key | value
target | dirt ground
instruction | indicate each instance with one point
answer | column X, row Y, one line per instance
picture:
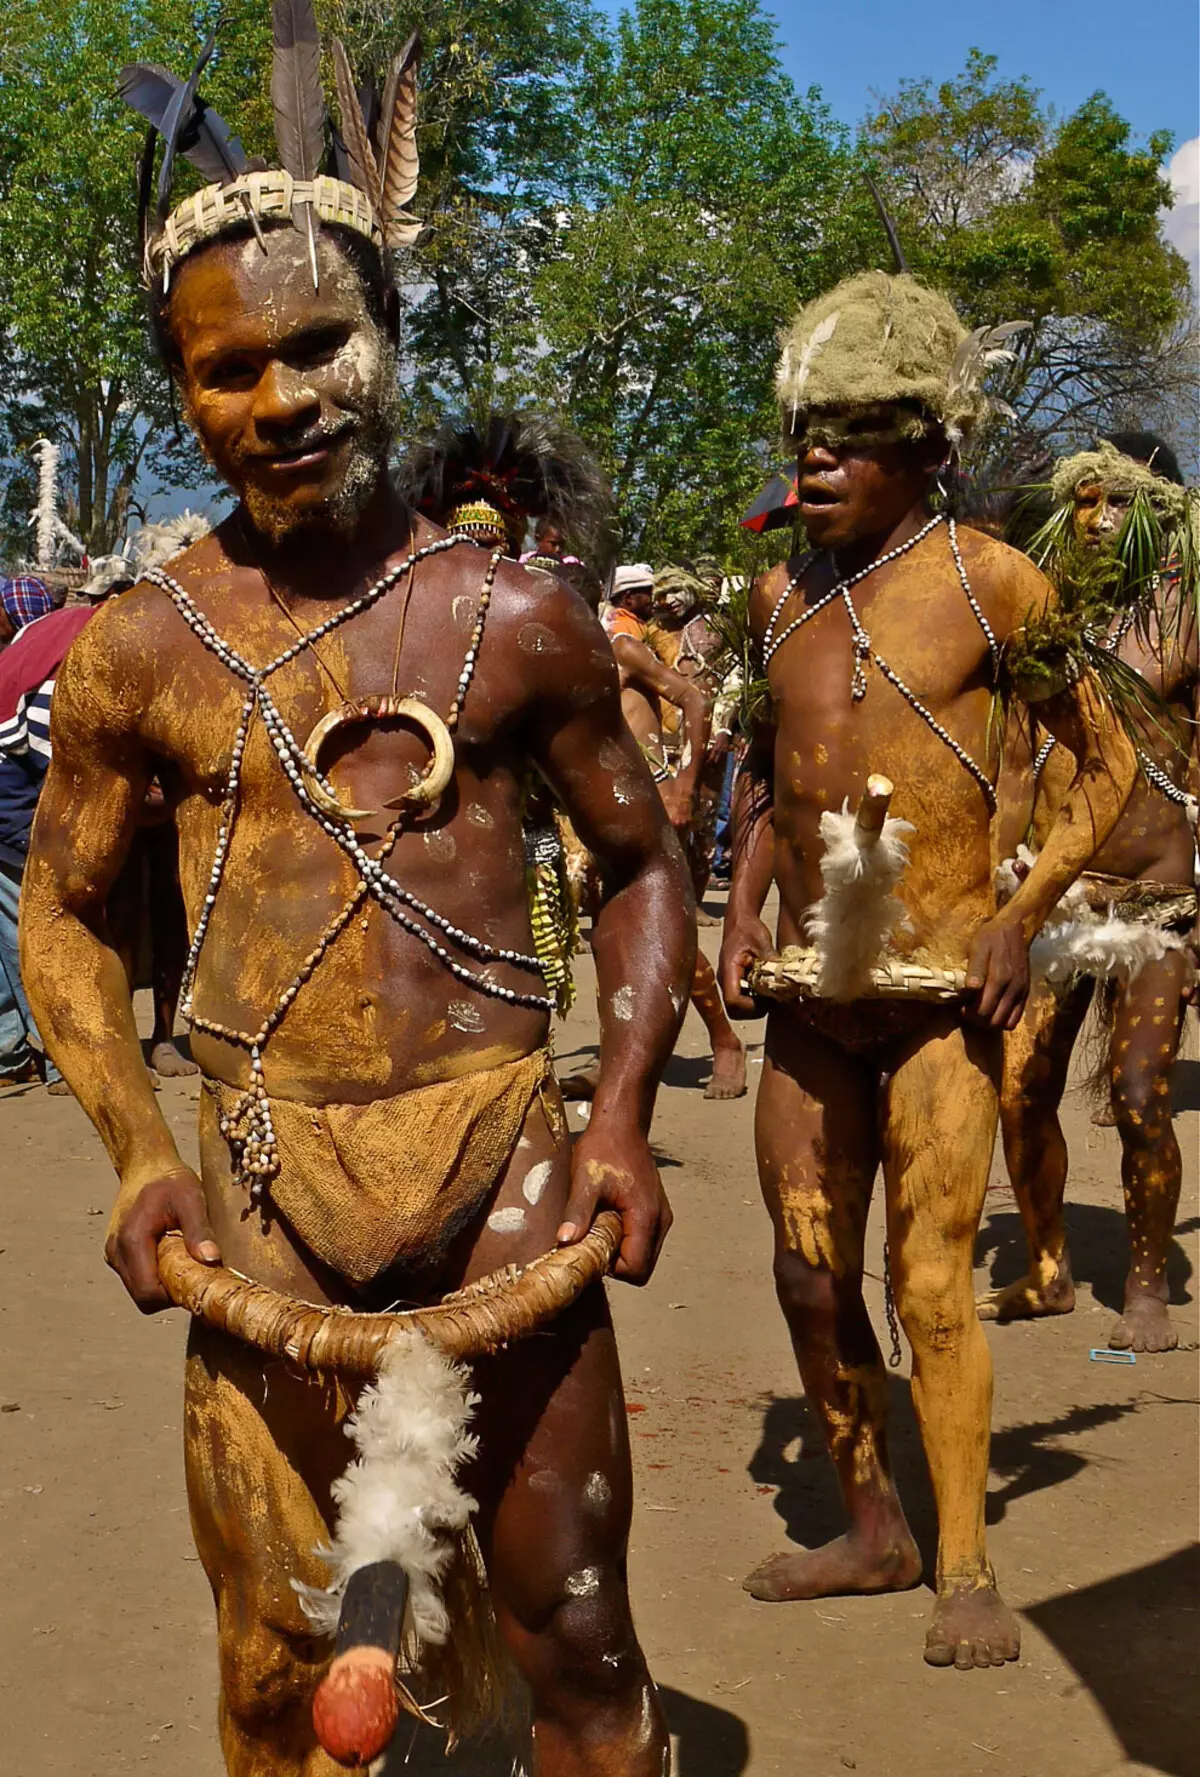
column 106, row 1642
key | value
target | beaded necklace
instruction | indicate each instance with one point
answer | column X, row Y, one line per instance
column 864, row 652
column 248, row 1127
column 1154, row 774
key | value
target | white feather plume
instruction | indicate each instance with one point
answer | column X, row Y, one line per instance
column 399, row 1500
column 975, row 356
column 45, row 514
column 856, row 915
column 1100, row 946
column 818, row 339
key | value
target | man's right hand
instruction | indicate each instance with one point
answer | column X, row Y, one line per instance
column 744, row 941
column 175, row 1201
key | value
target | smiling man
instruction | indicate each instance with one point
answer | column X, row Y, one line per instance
column 360, row 982
column 883, row 647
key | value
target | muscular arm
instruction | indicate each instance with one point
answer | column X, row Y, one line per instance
column 644, row 941
column 87, row 815
column 639, row 665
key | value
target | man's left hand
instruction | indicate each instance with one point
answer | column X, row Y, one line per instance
column 617, row 1171
column 998, row 976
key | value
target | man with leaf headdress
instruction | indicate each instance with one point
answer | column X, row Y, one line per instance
column 1121, row 546
column 883, row 651
column 341, row 701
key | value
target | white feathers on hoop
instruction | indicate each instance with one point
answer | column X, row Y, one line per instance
column 854, row 918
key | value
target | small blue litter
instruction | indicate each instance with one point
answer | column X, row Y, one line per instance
column 1100, row 1354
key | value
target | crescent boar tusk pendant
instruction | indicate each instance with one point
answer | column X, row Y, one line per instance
column 424, row 794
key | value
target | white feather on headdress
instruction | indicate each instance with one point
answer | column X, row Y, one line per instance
column 45, row 514
column 976, row 355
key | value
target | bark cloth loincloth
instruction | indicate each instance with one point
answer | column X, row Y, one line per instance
column 367, row 1186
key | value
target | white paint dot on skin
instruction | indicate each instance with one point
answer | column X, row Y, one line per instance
column 544, row 1480
column 583, row 1583
column 611, row 756
column 536, row 1180
column 478, row 815
column 463, row 610
column 622, row 1004
column 441, row 844
column 464, row 1016
column 676, row 999
column 535, row 638
column 597, row 1493
column 507, row 1221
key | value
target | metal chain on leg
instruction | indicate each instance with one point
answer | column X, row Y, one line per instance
column 889, row 1309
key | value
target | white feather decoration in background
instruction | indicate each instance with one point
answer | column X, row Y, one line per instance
column 45, row 516
column 1077, row 940
column 865, row 856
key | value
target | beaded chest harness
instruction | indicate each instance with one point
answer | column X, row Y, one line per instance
column 865, row 653
column 248, row 1127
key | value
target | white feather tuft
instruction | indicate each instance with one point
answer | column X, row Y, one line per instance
column 857, row 914
column 1099, row 946
column 45, row 515
column 400, row 1500
column 818, row 339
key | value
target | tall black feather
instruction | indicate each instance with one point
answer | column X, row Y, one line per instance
column 175, row 118
column 145, row 190
column 296, row 93
column 889, row 227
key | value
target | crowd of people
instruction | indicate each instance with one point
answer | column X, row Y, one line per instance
column 398, row 738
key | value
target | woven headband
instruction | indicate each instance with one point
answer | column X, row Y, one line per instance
column 255, row 197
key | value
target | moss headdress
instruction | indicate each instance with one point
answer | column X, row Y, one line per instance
column 361, row 178
column 881, row 339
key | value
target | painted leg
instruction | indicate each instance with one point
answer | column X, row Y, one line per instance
column 555, row 1490
column 815, row 1124
column 1145, row 1041
column 939, row 1131
column 729, row 1052
column 262, row 1445
column 1036, row 1058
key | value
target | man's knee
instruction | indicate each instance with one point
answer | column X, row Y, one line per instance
column 1141, row 1101
column 805, row 1291
column 268, row 1670
column 936, row 1311
column 582, row 1650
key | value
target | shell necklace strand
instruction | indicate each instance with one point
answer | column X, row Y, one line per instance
column 248, row 1127
column 865, row 653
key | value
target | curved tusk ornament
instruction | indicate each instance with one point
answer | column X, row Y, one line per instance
column 425, row 794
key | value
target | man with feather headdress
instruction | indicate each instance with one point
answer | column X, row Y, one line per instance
column 1121, row 545
column 882, row 649
column 340, row 701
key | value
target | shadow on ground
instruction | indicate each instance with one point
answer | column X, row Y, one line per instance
column 1133, row 1642
column 1099, row 1249
column 710, row 1742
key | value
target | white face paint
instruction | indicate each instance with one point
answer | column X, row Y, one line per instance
column 583, row 1583
column 507, row 1221
column 622, row 1004
column 536, row 1180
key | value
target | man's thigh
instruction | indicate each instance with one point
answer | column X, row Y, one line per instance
column 939, row 1133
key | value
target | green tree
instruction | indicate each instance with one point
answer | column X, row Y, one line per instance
column 73, row 348
column 1018, row 216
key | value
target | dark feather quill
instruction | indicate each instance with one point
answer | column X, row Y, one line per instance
column 175, row 118
column 363, row 171
column 145, row 190
column 296, row 94
column 889, row 227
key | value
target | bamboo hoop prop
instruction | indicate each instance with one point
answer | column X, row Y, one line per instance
column 793, row 973
column 401, row 1509
column 498, row 1309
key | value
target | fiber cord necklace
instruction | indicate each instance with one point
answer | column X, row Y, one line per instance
column 864, row 652
column 248, row 1125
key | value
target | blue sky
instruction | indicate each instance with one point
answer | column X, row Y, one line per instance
column 1145, row 55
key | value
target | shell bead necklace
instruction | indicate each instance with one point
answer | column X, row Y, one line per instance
column 247, row 1126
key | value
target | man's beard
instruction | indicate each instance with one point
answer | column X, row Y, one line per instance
column 339, row 514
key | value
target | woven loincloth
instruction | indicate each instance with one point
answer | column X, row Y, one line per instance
column 864, row 1026
column 368, row 1186
column 1169, row 905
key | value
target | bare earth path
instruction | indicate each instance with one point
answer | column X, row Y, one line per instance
column 106, row 1647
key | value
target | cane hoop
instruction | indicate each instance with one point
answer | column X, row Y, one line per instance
column 793, row 973
column 424, row 794
column 498, row 1309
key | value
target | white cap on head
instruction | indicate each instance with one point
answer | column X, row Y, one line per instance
column 633, row 577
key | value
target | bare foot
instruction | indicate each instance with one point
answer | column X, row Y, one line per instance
column 1144, row 1326
column 581, row 1085
column 729, row 1073
column 706, row 919
column 166, row 1060
column 848, row 1564
column 58, row 1089
column 972, row 1626
column 1029, row 1298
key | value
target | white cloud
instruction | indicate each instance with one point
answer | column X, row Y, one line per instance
column 1181, row 225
